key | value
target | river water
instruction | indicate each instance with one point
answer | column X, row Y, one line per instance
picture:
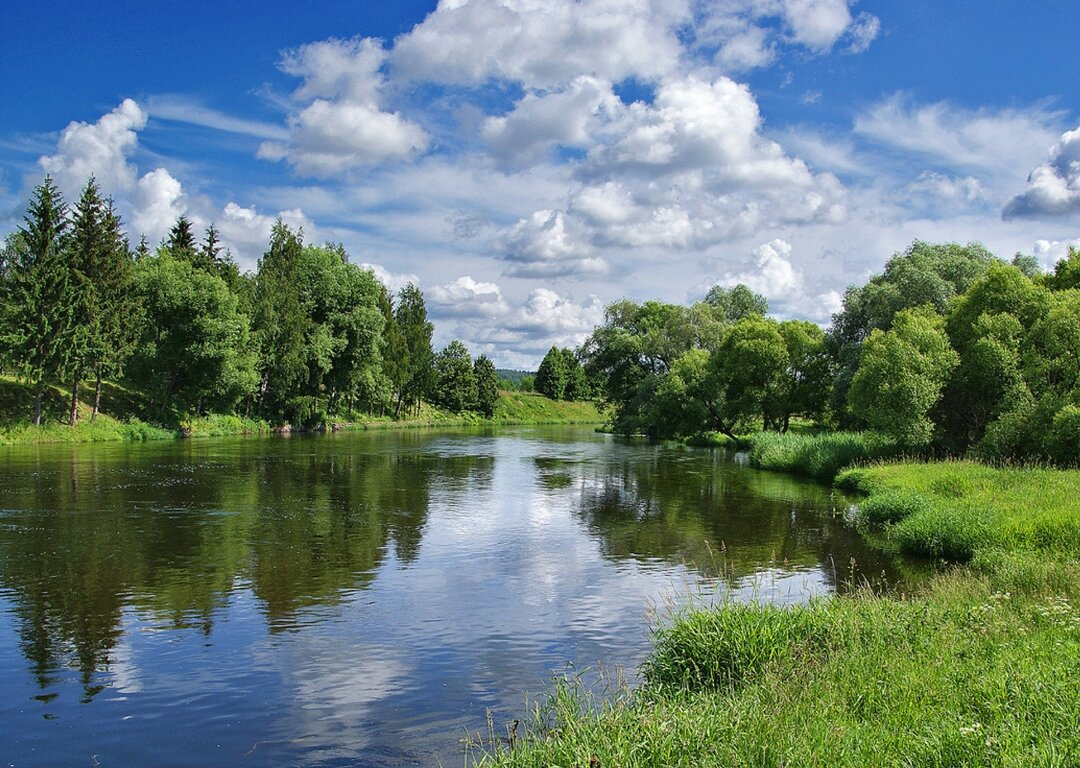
column 367, row 598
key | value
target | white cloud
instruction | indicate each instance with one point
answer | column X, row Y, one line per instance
column 158, row 201
column 393, row 281
column 547, row 310
column 98, row 149
column 540, row 122
column 1054, row 187
column 542, row 245
column 466, row 297
column 542, row 44
column 1050, row 252
column 182, row 109
column 999, row 143
column 246, row 232
column 967, row 189
column 862, row 32
column 343, row 125
column 817, row 24
column 746, row 50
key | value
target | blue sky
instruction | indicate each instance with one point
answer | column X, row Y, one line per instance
column 529, row 161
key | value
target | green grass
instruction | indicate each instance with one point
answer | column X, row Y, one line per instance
column 954, row 509
column 980, row 666
column 128, row 415
column 820, row 456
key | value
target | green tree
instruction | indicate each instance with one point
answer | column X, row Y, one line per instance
column 750, row 368
column 577, row 383
column 195, row 348
column 487, row 385
column 551, row 376
column 902, row 374
column 807, row 379
column 455, row 385
column 37, row 308
column 737, row 302
column 924, row 273
column 180, row 242
column 281, row 323
column 411, row 317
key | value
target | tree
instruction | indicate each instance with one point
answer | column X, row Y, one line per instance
column 416, row 332
column 280, row 321
column 750, row 367
column 924, row 273
column 577, row 383
column 180, row 242
column 487, row 385
column 902, row 374
column 551, row 376
column 737, row 302
column 807, row 379
column 37, row 302
column 455, row 385
column 195, row 348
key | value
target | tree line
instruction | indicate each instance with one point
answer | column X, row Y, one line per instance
column 306, row 335
column 948, row 350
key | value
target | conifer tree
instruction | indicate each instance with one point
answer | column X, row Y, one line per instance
column 411, row 316
column 487, row 385
column 37, row 310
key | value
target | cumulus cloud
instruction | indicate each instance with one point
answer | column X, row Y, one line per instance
column 158, row 201
column 466, row 297
column 817, row 24
column 343, row 125
column 540, row 122
column 393, row 281
column 1050, row 252
column 1053, row 189
column 98, row 149
column 772, row 272
column 542, row 44
column 247, row 232
column 543, row 245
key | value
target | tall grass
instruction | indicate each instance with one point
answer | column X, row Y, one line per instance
column 819, row 456
column 974, row 671
column 954, row 509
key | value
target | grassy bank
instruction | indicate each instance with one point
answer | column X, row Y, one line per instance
column 128, row 415
column 820, row 456
column 980, row 667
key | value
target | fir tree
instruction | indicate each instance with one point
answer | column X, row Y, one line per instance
column 37, row 309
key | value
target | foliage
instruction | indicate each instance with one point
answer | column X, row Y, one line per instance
column 551, row 376
column 901, row 376
column 487, row 386
column 194, row 349
column 455, row 385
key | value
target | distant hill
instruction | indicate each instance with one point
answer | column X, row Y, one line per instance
column 513, row 376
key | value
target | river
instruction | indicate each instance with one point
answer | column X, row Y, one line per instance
column 365, row 598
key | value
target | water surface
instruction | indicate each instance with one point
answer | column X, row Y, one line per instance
column 363, row 598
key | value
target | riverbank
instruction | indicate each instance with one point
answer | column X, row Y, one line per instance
column 125, row 415
column 981, row 666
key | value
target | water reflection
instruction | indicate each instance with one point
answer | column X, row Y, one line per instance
column 362, row 598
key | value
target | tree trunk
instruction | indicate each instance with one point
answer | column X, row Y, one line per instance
column 97, row 397
column 74, row 416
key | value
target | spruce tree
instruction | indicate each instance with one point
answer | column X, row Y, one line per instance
column 37, row 310
column 551, row 376
column 487, row 385
column 411, row 316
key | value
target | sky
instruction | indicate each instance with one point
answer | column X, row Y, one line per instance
column 528, row 162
